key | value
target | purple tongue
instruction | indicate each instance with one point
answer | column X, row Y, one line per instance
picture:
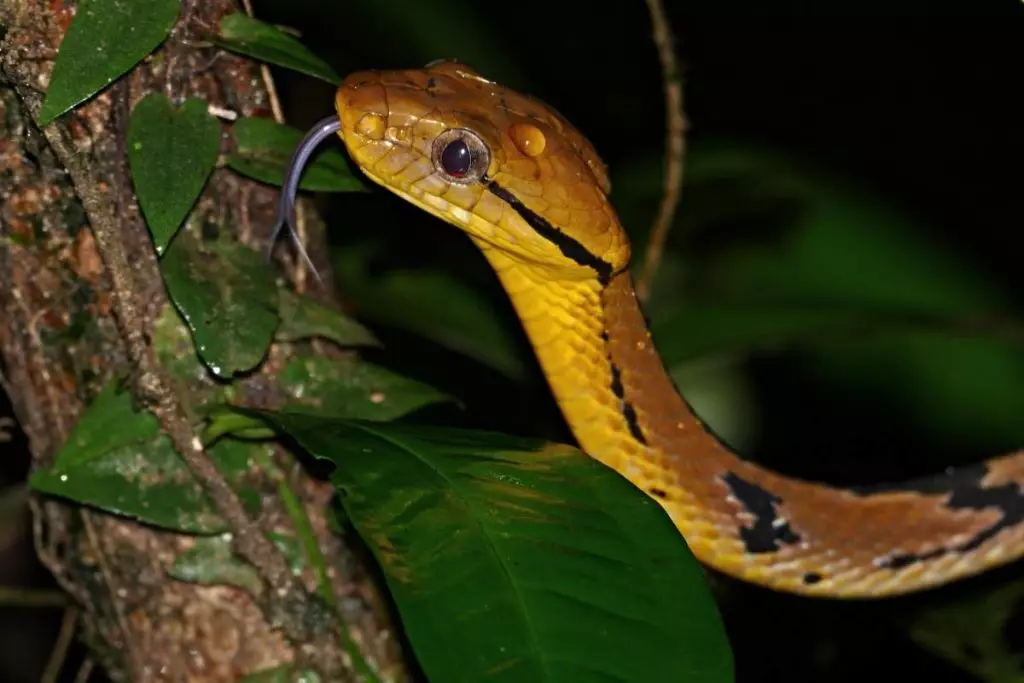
column 286, row 203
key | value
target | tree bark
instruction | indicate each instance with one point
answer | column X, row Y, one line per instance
column 80, row 291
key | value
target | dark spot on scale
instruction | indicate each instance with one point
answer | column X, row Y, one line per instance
column 431, row 83
column 769, row 532
column 617, row 388
column 604, row 336
column 629, row 413
column 811, row 578
column 658, row 493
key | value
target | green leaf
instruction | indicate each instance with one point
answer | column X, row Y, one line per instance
column 352, row 388
column 105, row 39
column 775, row 255
column 172, row 154
column 117, row 460
column 434, row 305
column 227, row 298
column 264, row 147
column 211, row 561
column 242, row 34
column 303, row 317
column 976, row 634
column 515, row 560
column 225, row 420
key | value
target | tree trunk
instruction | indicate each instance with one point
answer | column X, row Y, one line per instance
column 80, row 291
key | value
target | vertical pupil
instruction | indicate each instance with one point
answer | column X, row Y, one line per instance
column 456, row 158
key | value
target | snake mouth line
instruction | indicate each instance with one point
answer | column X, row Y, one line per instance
column 569, row 247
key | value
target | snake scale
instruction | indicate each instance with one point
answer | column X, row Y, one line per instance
column 531, row 192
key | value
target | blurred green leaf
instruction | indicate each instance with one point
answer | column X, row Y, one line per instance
column 106, row 38
column 434, row 305
column 117, row 460
column 242, row 34
column 211, row 561
column 352, row 388
column 778, row 256
column 228, row 300
column 972, row 633
column 792, row 234
column 303, row 317
column 263, row 149
column 171, row 153
column 536, row 560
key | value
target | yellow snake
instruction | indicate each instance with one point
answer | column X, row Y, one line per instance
column 532, row 194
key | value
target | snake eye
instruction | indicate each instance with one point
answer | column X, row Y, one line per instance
column 456, row 159
column 461, row 156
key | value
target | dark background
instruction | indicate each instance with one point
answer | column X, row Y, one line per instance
column 913, row 103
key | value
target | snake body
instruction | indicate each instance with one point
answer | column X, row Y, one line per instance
column 531, row 192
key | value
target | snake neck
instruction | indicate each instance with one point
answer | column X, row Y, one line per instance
column 597, row 354
column 594, row 347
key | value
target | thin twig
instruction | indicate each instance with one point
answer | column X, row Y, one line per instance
column 59, row 653
column 85, row 671
column 675, row 147
column 12, row 596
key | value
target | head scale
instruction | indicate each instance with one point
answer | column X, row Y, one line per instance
column 504, row 167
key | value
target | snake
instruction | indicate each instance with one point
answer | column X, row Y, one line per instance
column 531, row 192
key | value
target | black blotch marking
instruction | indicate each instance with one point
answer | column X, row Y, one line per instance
column 966, row 492
column 569, row 247
column 659, row 493
column 604, row 336
column 811, row 578
column 617, row 388
column 628, row 411
column 767, row 534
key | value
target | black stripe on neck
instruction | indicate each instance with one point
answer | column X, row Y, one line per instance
column 569, row 247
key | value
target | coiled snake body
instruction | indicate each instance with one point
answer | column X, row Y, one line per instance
column 532, row 194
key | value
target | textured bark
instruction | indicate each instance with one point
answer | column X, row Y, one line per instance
column 74, row 317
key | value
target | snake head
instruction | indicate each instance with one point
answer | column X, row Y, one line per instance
column 504, row 167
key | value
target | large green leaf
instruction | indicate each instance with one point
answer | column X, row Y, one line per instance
column 227, row 299
column 515, row 560
column 171, row 153
column 245, row 35
column 118, row 460
column 353, row 388
column 106, row 38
